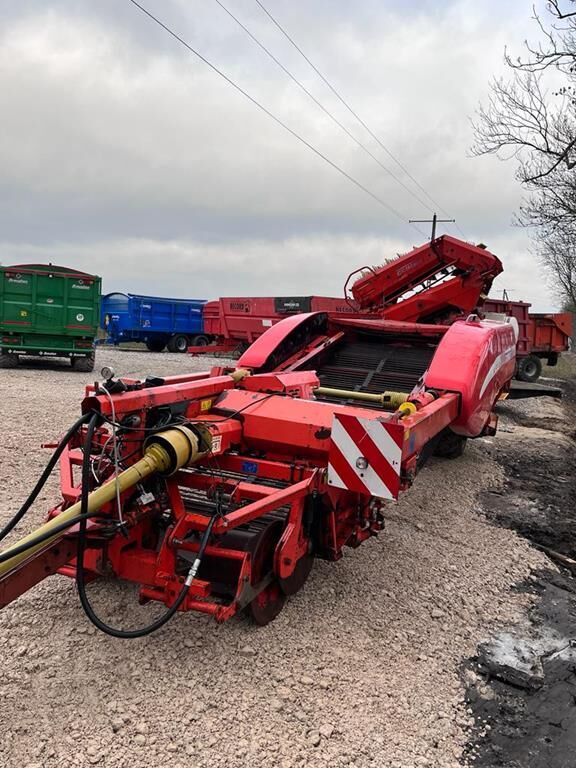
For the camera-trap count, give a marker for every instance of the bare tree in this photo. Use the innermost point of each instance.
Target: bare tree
(557, 249)
(531, 117)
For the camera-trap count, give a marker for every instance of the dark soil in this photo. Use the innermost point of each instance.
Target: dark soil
(532, 724)
(531, 717)
(539, 500)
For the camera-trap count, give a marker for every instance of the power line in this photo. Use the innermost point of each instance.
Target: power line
(349, 108)
(321, 106)
(344, 102)
(272, 115)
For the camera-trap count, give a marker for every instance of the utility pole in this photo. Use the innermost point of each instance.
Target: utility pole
(434, 220)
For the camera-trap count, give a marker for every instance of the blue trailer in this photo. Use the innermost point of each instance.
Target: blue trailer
(158, 322)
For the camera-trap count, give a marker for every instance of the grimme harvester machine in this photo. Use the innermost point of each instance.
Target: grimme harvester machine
(437, 282)
(215, 491)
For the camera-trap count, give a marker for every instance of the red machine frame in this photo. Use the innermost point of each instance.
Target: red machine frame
(289, 470)
(438, 281)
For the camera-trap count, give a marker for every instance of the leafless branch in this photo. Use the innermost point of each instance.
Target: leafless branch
(531, 118)
(554, 4)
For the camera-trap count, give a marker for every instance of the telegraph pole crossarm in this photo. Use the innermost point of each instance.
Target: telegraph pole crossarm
(434, 220)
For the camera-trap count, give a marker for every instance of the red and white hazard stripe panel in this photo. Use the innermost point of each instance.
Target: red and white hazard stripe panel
(365, 456)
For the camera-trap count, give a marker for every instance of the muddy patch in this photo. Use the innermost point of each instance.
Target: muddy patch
(521, 686)
(537, 450)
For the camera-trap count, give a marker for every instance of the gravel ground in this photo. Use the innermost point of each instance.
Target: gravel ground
(361, 668)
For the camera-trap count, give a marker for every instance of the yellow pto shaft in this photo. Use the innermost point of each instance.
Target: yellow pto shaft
(165, 452)
(389, 400)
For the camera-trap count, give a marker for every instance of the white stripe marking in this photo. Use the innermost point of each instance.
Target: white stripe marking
(334, 478)
(385, 442)
(500, 361)
(351, 452)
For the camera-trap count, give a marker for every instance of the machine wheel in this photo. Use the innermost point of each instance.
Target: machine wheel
(450, 445)
(529, 368)
(155, 345)
(8, 360)
(83, 364)
(200, 341)
(269, 602)
(178, 343)
(299, 576)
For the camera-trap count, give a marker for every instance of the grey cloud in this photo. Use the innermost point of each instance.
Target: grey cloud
(315, 264)
(121, 150)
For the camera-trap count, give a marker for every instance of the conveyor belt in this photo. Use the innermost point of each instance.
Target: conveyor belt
(371, 366)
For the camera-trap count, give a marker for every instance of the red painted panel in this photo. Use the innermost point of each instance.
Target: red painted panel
(261, 349)
(476, 359)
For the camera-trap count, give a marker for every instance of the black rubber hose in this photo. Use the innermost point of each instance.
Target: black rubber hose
(43, 477)
(129, 634)
(9, 553)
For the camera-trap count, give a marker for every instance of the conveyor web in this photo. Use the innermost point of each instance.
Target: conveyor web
(367, 365)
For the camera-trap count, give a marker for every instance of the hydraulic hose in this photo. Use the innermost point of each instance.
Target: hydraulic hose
(10, 525)
(164, 452)
(33, 543)
(80, 572)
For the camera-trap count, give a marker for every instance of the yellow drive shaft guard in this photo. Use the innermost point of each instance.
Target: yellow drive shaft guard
(165, 452)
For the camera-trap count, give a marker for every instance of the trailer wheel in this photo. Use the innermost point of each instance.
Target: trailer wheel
(200, 341)
(8, 359)
(155, 345)
(552, 359)
(178, 343)
(450, 445)
(83, 364)
(529, 368)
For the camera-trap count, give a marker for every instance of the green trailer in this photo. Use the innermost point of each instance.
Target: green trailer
(48, 311)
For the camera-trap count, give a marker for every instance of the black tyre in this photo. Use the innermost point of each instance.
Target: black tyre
(450, 445)
(529, 368)
(8, 360)
(200, 341)
(178, 343)
(268, 602)
(84, 364)
(155, 345)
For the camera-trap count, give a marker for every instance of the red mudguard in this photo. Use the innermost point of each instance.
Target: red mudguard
(476, 359)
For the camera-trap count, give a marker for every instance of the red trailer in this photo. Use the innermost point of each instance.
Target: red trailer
(434, 283)
(233, 323)
(550, 334)
(541, 336)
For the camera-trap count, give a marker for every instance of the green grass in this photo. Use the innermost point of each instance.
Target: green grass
(566, 368)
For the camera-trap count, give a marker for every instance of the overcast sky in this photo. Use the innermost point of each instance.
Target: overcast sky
(123, 154)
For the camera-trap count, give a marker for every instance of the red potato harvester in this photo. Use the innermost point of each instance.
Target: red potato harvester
(215, 491)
